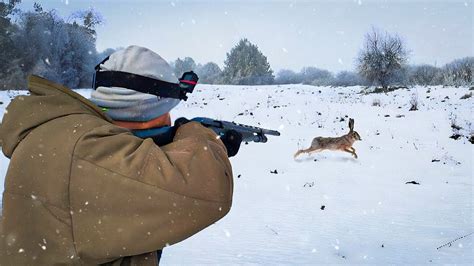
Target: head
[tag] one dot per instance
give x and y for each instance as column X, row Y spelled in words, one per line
column 353, row 134
column 124, row 104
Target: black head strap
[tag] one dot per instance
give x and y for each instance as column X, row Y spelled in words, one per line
column 145, row 84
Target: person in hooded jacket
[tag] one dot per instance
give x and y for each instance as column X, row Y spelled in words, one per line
column 82, row 189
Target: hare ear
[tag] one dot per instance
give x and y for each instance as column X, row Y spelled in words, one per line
column 351, row 124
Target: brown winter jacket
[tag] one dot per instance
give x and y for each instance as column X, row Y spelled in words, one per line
column 82, row 191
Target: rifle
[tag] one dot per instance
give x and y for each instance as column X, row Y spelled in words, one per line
column 249, row 133
column 164, row 135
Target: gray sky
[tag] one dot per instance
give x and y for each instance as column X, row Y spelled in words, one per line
column 292, row 34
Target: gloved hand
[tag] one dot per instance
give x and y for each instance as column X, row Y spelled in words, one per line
column 167, row 135
column 180, row 121
column 232, row 140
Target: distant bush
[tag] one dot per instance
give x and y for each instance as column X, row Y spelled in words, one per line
column 459, row 72
column 210, row 73
column 414, row 102
column 286, row 76
column 424, row 75
column 347, row 78
column 307, row 75
column 316, row 76
column 319, row 77
column 376, row 102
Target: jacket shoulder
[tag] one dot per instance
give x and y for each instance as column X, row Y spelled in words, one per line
column 113, row 148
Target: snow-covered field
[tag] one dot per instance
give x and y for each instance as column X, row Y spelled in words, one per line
column 370, row 214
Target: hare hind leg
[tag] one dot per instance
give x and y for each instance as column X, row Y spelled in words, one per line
column 308, row 151
column 314, row 150
column 300, row 152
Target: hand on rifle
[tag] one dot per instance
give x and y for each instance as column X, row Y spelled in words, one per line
column 231, row 138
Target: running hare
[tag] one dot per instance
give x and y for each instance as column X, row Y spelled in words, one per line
column 342, row 143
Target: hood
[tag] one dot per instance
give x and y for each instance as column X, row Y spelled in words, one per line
column 47, row 101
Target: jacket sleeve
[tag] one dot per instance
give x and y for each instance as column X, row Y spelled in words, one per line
column 129, row 196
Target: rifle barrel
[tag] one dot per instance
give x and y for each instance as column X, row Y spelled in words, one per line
column 250, row 133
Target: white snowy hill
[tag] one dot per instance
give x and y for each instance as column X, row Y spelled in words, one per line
column 330, row 208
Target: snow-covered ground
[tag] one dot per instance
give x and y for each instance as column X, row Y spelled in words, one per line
column 370, row 214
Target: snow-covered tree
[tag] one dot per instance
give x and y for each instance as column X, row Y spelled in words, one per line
column 210, row 73
column 246, row 64
column 382, row 55
column 89, row 19
column 8, row 50
column 53, row 48
column 183, row 65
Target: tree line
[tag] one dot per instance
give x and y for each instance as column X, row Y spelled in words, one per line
column 381, row 62
column 456, row 73
column 64, row 50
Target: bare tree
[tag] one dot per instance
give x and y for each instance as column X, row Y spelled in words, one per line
column 382, row 56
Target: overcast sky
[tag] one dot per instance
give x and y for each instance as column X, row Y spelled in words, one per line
column 292, row 34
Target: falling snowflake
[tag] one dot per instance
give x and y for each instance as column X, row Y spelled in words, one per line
column 227, row 233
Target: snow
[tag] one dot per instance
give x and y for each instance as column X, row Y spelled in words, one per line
column 330, row 207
